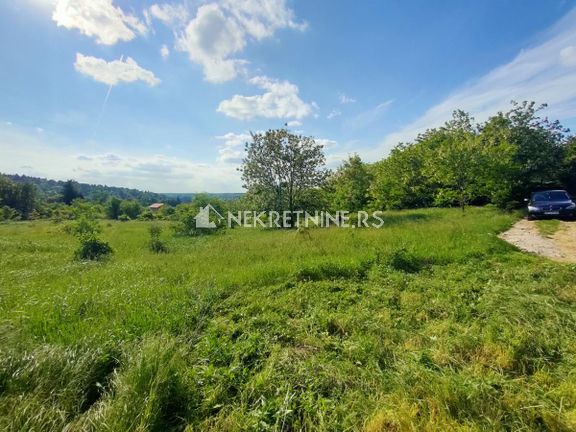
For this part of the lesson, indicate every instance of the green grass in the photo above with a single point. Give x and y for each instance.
(548, 227)
(430, 323)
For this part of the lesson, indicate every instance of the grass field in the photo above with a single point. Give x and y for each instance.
(429, 323)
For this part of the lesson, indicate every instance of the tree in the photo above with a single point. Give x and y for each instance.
(70, 192)
(568, 174)
(279, 167)
(113, 209)
(130, 208)
(26, 200)
(399, 181)
(349, 185)
(539, 144)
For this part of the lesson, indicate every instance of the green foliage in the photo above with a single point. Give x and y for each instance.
(185, 215)
(349, 185)
(113, 208)
(70, 192)
(156, 244)
(92, 248)
(131, 208)
(279, 167)
(84, 226)
(17, 200)
(500, 161)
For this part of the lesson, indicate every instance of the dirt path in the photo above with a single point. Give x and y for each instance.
(560, 247)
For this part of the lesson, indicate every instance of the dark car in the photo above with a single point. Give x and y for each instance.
(551, 203)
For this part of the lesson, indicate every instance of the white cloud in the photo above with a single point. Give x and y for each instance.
(261, 18)
(155, 172)
(345, 99)
(221, 30)
(281, 100)
(294, 123)
(333, 114)
(100, 19)
(545, 73)
(568, 56)
(114, 72)
(169, 14)
(232, 150)
(210, 38)
(165, 52)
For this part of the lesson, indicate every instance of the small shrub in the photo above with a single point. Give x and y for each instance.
(156, 245)
(123, 218)
(405, 261)
(92, 248)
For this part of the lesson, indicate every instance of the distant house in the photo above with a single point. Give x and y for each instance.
(155, 207)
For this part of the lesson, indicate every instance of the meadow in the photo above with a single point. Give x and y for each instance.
(431, 323)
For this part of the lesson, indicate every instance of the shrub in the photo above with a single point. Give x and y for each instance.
(123, 218)
(146, 215)
(92, 248)
(156, 245)
(83, 226)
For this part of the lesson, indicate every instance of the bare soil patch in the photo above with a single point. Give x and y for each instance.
(560, 247)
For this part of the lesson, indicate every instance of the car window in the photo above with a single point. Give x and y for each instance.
(550, 196)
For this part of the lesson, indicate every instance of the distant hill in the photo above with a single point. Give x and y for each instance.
(51, 189)
(187, 197)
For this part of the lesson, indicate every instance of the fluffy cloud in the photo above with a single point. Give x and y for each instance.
(294, 123)
(232, 149)
(169, 14)
(100, 19)
(280, 100)
(114, 72)
(545, 73)
(210, 38)
(221, 30)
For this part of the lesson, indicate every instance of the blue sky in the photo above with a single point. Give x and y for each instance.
(162, 95)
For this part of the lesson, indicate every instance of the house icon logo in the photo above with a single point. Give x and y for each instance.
(203, 217)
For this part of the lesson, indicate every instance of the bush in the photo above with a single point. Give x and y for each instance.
(92, 248)
(146, 215)
(156, 245)
(83, 226)
(123, 218)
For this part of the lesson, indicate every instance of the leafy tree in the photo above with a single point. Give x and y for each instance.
(539, 143)
(568, 174)
(70, 192)
(131, 208)
(26, 199)
(21, 198)
(113, 208)
(279, 167)
(399, 180)
(350, 184)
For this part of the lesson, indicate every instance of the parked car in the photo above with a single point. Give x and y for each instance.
(551, 203)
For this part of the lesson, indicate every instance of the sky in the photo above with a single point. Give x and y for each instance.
(162, 96)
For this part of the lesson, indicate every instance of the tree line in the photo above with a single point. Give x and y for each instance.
(499, 161)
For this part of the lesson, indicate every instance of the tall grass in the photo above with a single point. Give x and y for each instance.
(430, 323)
